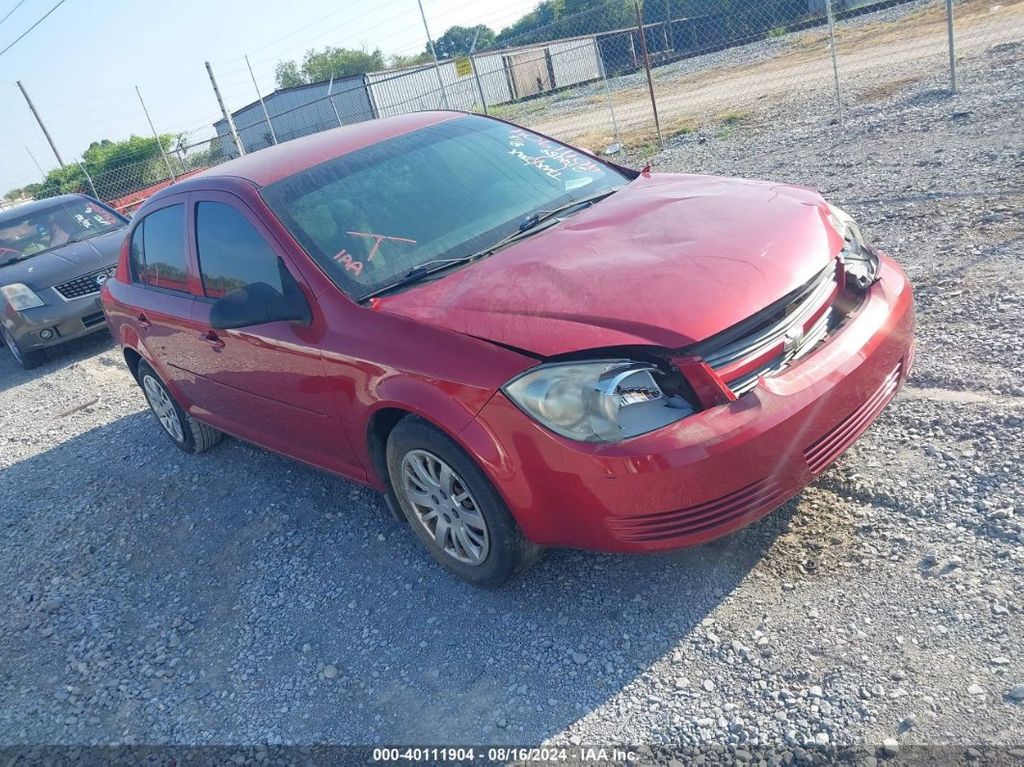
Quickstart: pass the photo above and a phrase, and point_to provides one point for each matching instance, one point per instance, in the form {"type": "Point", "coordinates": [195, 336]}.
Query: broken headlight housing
{"type": "Point", "coordinates": [859, 258]}
{"type": "Point", "coordinates": [596, 400]}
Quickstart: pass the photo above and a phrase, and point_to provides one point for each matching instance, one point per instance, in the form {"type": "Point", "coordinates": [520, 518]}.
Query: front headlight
{"type": "Point", "coordinates": [20, 297]}
{"type": "Point", "coordinates": [596, 401]}
{"type": "Point", "coordinates": [859, 259]}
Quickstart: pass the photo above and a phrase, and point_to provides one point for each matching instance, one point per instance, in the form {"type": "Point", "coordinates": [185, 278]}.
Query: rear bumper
{"type": "Point", "coordinates": [715, 471]}
{"type": "Point", "coordinates": [65, 320]}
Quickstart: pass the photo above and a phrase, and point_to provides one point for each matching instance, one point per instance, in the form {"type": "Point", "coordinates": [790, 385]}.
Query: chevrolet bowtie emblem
{"type": "Point", "coordinates": [792, 340]}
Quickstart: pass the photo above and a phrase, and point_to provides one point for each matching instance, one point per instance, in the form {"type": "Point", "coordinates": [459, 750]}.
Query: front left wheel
{"type": "Point", "coordinates": [453, 508]}
{"type": "Point", "coordinates": [186, 432]}
{"type": "Point", "coordinates": [27, 360]}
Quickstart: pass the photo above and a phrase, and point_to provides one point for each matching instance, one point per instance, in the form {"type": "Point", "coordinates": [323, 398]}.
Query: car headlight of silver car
{"type": "Point", "coordinates": [859, 258]}
{"type": "Point", "coordinates": [596, 401]}
{"type": "Point", "coordinates": [20, 297]}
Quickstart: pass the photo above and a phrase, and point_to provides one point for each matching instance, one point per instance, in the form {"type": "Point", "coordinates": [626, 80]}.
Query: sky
{"type": "Point", "coordinates": [82, 64]}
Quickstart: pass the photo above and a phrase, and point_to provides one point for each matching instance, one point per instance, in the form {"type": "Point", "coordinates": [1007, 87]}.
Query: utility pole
{"type": "Point", "coordinates": [159, 143]}
{"type": "Point", "coordinates": [263, 104]}
{"type": "Point", "coordinates": [224, 111]}
{"type": "Point", "coordinates": [647, 66]}
{"type": "Point", "coordinates": [41, 124]}
{"type": "Point", "coordinates": [433, 52]}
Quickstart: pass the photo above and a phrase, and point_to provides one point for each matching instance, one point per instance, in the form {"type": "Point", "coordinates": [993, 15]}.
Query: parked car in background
{"type": "Point", "coordinates": [54, 255]}
{"type": "Point", "coordinates": [520, 344]}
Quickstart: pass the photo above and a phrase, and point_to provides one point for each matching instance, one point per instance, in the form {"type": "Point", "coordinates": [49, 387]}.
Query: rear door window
{"type": "Point", "coordinates": [232, 253]}
{"type": "Point", "coordinates": [158, 252]}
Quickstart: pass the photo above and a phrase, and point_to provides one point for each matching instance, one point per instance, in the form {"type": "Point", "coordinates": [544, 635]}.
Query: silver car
{"type": "Point", "coordinates": [54, 256]}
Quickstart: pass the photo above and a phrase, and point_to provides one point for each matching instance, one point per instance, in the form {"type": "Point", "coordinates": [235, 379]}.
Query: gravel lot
{"type": "Point", "coordinates": [153, 597]}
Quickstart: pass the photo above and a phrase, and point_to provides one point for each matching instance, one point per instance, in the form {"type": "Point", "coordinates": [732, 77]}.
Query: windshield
{"type": "Point", "coordinates": [445, 191]}
{"type": "Point", "coordinates": [40, 230]}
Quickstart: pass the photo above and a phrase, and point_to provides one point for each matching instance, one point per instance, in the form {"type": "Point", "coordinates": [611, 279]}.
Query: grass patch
{"type": "Point", "coordinates": [885, 90]}
{"type": "Point", "coordinates": [733, 118]}
{"type": "Point", "coordinates": [729, 122]}
{"type": "Point", "coordinates": [515, 111]}
{"type": "Point", "coordinates": [680, 127]}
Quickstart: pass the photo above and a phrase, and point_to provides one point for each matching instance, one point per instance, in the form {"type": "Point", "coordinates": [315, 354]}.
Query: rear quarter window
{"type": "Point", "coordinates": [158, 251]}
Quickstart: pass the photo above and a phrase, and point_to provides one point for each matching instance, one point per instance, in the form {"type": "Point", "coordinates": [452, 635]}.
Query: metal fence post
{"type": "Point", "coordinates": [647, 67]}
{"type": "Point", "coordinates": [433, 52]}
{"type": "Point", "coordinates": [224, 111]}
{"type": "Point", "coordinates": [616, 141]}
{"type": "Point", "coordinates": [835, 61]}
{"type": "Point", "coordinates": [952, 47]}
{"type": "Point", "coordinates": [263, 103]}
{"type": "Point", "coordinates": [330, 97]}
{"type": "Point", "coordinates": [159, 143]}
{"type": "Point", "coordinates": [479, 85]}
{"type": "Point", "coordinates": [92, 186]}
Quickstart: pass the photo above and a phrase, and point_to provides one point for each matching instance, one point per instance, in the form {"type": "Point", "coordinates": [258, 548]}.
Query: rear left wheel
{"type": "Point", "coordinates": [453, 508]}
{"type": "Point", "coordinates": [186, 432]}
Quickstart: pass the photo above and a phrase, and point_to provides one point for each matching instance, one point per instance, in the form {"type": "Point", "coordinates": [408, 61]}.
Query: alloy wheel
{"type": "Point", "coordinates": [163, 407]}
{"type": "Point", "coordinates": [445, 507]}
{"type": "Point", "coordinates": [9, 340]}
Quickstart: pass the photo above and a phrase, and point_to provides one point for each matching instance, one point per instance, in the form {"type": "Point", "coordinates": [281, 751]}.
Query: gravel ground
{"type": "Point", "coordinates": [153, 597]}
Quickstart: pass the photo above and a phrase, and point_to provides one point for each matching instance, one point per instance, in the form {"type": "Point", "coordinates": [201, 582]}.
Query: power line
{"type": "Point", "coordinates": [20, 37]}
{"type": "Point", "coordinates": [17, 5]}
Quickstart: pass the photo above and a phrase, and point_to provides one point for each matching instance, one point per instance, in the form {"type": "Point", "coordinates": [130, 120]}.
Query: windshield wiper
{"type": "Point", "coordinates": [541, 216]}
{"type": "Point", "coordinates": [529, 225]}
{"type": "Point", "coordinates": [16, 259]}
{"type": "Point", "coordinates": [427, 268]}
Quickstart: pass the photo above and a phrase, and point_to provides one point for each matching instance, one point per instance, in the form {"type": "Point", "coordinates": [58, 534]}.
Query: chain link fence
{"type": "Point", "coordinates": [617, 78]}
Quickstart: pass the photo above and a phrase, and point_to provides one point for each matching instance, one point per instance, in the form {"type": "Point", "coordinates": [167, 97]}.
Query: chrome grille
{"type": "Point", "coordinates": [85, 285]}
{"type": "Point", "coordinates": [777, 336]}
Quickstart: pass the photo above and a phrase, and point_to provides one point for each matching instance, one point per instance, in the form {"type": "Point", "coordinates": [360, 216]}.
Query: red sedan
{"type": "Point", "coordinates": [519, 344]}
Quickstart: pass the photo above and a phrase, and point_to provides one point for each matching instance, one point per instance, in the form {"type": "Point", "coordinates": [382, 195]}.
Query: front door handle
{"type": "Point", "coordinates": [143, 320]}
{"type": "Point", "coordinates": [213, 340]}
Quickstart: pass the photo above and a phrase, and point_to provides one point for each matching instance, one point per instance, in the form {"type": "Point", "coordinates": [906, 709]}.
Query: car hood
{"type": "Point", "coordinates": [669, 260]}
{"type": "Point", "coordinates": [66, 262]}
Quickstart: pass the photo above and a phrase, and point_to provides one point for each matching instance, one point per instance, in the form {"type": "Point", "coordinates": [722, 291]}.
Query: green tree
{"type": "Point", "coordinates": [117, 168]}
{"type": "Point", "coordinates": [457, 41]}
{"type": "Point", "coordinates": [399, 61]}
{"type": "Point", "coordinates": [120, 167]}
{"type": "Point", "coordinates": [318, 66]}
{"type": "Point", "coordinates": [288, 74]}
{"type": "Point", "coordinates": [554, 19]}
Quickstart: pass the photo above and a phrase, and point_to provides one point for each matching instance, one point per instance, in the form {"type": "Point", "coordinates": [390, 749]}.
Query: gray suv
{"type": "Point", "coordinates": [54, 256]}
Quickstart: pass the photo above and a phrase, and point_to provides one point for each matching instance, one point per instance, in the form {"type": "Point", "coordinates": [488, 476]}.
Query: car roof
{"type": "Point", "coordinates": [274, 163]}
{"type": "Point", "coordinates": [28, 208]}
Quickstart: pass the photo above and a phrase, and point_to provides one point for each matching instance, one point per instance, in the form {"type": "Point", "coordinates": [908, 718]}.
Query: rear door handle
{"type": "Point", "coordinates": [213, 340]}
{"type": "Point", "coordinates": [143, 320]}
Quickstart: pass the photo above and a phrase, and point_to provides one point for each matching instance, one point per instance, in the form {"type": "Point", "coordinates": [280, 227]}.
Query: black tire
{"type": "Point", "coordinates": [508, 551]}
{"type": "Point", "coordinates": [25, 360]}
{"type": "Point", "coordinates": [195, 436]}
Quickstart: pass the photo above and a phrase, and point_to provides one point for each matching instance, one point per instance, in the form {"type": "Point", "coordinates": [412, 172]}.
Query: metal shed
{"type": "Point", "coordinates": [299, 111]}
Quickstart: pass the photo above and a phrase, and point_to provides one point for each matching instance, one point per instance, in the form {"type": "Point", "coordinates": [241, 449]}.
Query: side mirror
{"type": "Point", "coordinates": [257, 303]}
